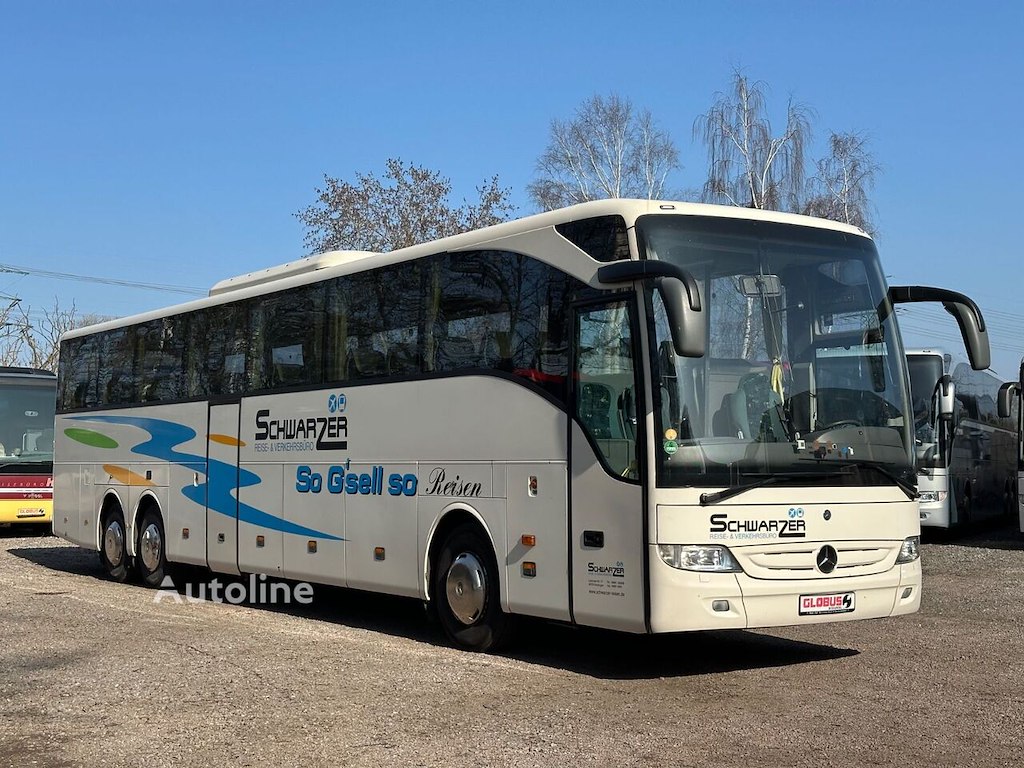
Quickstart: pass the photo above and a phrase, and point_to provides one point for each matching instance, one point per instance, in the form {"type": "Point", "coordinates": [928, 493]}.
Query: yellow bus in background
{"type": "Point", "coordinates": [28, 398]}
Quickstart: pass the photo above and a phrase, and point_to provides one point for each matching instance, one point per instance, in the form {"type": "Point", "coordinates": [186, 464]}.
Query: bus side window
{"type": "Point", "coordinates": [365, 361]}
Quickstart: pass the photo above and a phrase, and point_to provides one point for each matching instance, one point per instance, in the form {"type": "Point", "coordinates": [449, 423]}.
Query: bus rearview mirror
{"type": "Point", "coordinates": [1004, 400]}
{"type": "Point", "coordinates": [946, 393]}
{"type": "Point", "coordinates": [680, 293]}
{"type": "Point", "coordinates": [968, 317]}
{"type": "Point", "coordinates": [686, 324]}
{"type": "Point", "coordinates": [760, 286]}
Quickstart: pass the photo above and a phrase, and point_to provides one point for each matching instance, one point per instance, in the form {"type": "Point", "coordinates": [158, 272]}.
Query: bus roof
{"type": "Point", "coordinates": [19, 372]}
{"type": "Point", "coordinates": [299, 267]}
{"type": "Point", "coordinates": [341, 262]}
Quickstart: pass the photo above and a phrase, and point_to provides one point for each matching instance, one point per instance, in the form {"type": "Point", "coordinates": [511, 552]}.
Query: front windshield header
{"type": "Point", "coordinates": [800, 372]}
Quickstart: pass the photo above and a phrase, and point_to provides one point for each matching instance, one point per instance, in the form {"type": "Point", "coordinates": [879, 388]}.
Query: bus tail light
{"type": "Point", "coordinates": [699, 557]}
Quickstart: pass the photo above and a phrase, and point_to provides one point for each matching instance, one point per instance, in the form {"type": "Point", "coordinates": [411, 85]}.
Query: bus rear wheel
{"type": "Point", "coordinates": [113, 552]}
{"type": "Point", "coordinates": [150, 556]}
{"type": "Point", "coordinates": [465, 591]}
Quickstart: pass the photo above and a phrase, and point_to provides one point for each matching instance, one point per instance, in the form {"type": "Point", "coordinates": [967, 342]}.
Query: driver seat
{"type": "Point", "coordinates": [755, 409]}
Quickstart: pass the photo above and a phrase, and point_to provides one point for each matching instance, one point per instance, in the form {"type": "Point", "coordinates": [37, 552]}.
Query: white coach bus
{"type": "Point", "coordinates": [1011, 406]}
{"type": "Point", "coordinates": [638, 415]}
{"type": "Point", "coordinates": [966, 450]}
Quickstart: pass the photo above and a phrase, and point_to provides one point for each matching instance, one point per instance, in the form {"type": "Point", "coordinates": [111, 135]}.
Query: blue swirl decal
{"type": "Point", "coordinates": [218, 492]}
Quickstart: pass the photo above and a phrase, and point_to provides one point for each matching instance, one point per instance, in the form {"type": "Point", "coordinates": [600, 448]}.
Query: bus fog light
{"type": "Point", "coordinates": [907, 593]}
{"type": "Point", "coordinates": [911, 550]}
{"type": "Point", "coordinates": [696, 557]}
{"type": "Point", "coordinates": [721, 606]}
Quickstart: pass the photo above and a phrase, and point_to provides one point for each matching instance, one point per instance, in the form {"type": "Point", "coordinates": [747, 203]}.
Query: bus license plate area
{"type": "Point", "coordinates": [818, 605]}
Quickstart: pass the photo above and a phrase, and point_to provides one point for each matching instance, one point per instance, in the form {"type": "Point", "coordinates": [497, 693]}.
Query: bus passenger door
{"type": "Point", "coordinates": [606, 497]}
{"type": "Point", "coordinates": [222, 447]}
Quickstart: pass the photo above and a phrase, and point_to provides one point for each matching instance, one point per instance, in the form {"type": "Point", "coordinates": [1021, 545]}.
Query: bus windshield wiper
{"type": "Point", "coordinates": [770, 479]}
{"type": "Point", "coordinates": [883, 470]}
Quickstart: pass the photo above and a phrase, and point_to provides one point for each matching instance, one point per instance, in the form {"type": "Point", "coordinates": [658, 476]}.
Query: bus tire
{"type": "Point", "coordinates": [113, 546]}
{"type": "Point", "coordinates": [466, 592]}
{"type": "Point", "coordinates": [150, 553]}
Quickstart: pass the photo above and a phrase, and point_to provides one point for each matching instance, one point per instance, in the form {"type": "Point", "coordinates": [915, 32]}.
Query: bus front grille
{"type": "Point", "coordinates": [799, 561]}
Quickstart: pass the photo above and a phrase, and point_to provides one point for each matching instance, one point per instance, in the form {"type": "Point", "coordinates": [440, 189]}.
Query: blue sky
{"type": "Point", "coordinates": [171, 142]}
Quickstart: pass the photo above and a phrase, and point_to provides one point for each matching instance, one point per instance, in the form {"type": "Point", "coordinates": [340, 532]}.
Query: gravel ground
{"type": "Point", "coordinates": [95, 673]}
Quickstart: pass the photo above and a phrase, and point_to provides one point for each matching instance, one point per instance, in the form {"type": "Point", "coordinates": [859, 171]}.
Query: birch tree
{"type": "Point", "coordinates": [750, 165]}
{"type": "Point", "coordinates": [608, 150]}
{"type": "Point", "coordinates": [840, 188]}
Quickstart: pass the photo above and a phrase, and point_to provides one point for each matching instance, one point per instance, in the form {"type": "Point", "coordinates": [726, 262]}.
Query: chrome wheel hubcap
{"type": "Point", "coordinates": [150, 547]}
{"type": "Point", "coordinates": [466, 588]}
{"type": "Point", "coordinates": [113, 542]}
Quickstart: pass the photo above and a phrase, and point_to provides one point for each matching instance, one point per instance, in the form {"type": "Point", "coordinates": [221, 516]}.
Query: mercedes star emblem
{"type": "Point", "coordinates": [827, 559]}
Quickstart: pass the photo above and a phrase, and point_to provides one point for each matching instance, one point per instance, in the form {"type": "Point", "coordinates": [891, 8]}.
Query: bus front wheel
{"type": "Point", "coordinates": [113, 552]}
{"type": "Point", "coordinates": [466, 594]}
{"type": "Point", "coordinates": [150, 557]}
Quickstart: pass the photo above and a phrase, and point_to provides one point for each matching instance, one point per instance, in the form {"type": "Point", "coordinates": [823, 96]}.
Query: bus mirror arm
{"type": "Point", "coordinates": [968, 317]}
{"type": "Point", "coordinates": [680, 294]}
{"type": "Point", "coordinates": [1008, 392]}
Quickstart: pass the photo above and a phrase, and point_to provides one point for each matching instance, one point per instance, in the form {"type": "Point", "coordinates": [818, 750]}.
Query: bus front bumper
{"type": "Point", "coordinates": [29, 511]}
{"type": "Point", "coordinates": [686, 600]}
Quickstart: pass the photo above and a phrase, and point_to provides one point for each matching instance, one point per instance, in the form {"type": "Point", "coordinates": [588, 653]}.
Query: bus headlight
{"type": "Point", "coordinates": [699, 557]}
{"type": "Point", "coordinates": [910, 551]}
{"type": "Point", "coordinates": [930, 497]}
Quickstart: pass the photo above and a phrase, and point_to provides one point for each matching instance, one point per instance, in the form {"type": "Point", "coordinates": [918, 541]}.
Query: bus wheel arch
{"type": "Point", "coordinates": [464, 583]}
{"type": "Point", "coordinates": [113, 539]}
{"type": "Point", "coordinates": [150, 542]}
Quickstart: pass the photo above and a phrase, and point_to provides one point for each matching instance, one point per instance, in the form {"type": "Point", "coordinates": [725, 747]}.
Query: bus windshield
{"type": "Point", "coordinates": [26, 424]}
{"type": "Point", "coordinates": [804, 368]}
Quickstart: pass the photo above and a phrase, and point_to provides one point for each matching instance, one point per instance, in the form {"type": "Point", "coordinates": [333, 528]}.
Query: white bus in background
{"type": "Point", "coordinates": [965, 449]}
{"type": "Point", "coordinates": [1011, 407]}
{"type": "Point", "coordinates": [639, 415]}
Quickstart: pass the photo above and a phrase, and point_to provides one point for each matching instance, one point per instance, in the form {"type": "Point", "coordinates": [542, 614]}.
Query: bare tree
{"type": "Point", "coordinates": [409, 205]}
{"type": "Point", "coordinates": [42, 336]}
{"type": "Point", "coordinates": [748, 165]}
{"type": "Point", "coordinates": [839, 190]}
{"type": "Point", "coordinates": [608, 150]}
{"type": "Point", "coordinates": [35, 343]}
{"type": "Point", "coordinates": [12, 337]}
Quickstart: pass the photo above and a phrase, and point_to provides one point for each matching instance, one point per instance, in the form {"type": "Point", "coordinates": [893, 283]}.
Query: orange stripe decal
{"type": "Point", "coordinates": [126, 476]}
{"type": "Point", "coordinates": [226, 440]}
